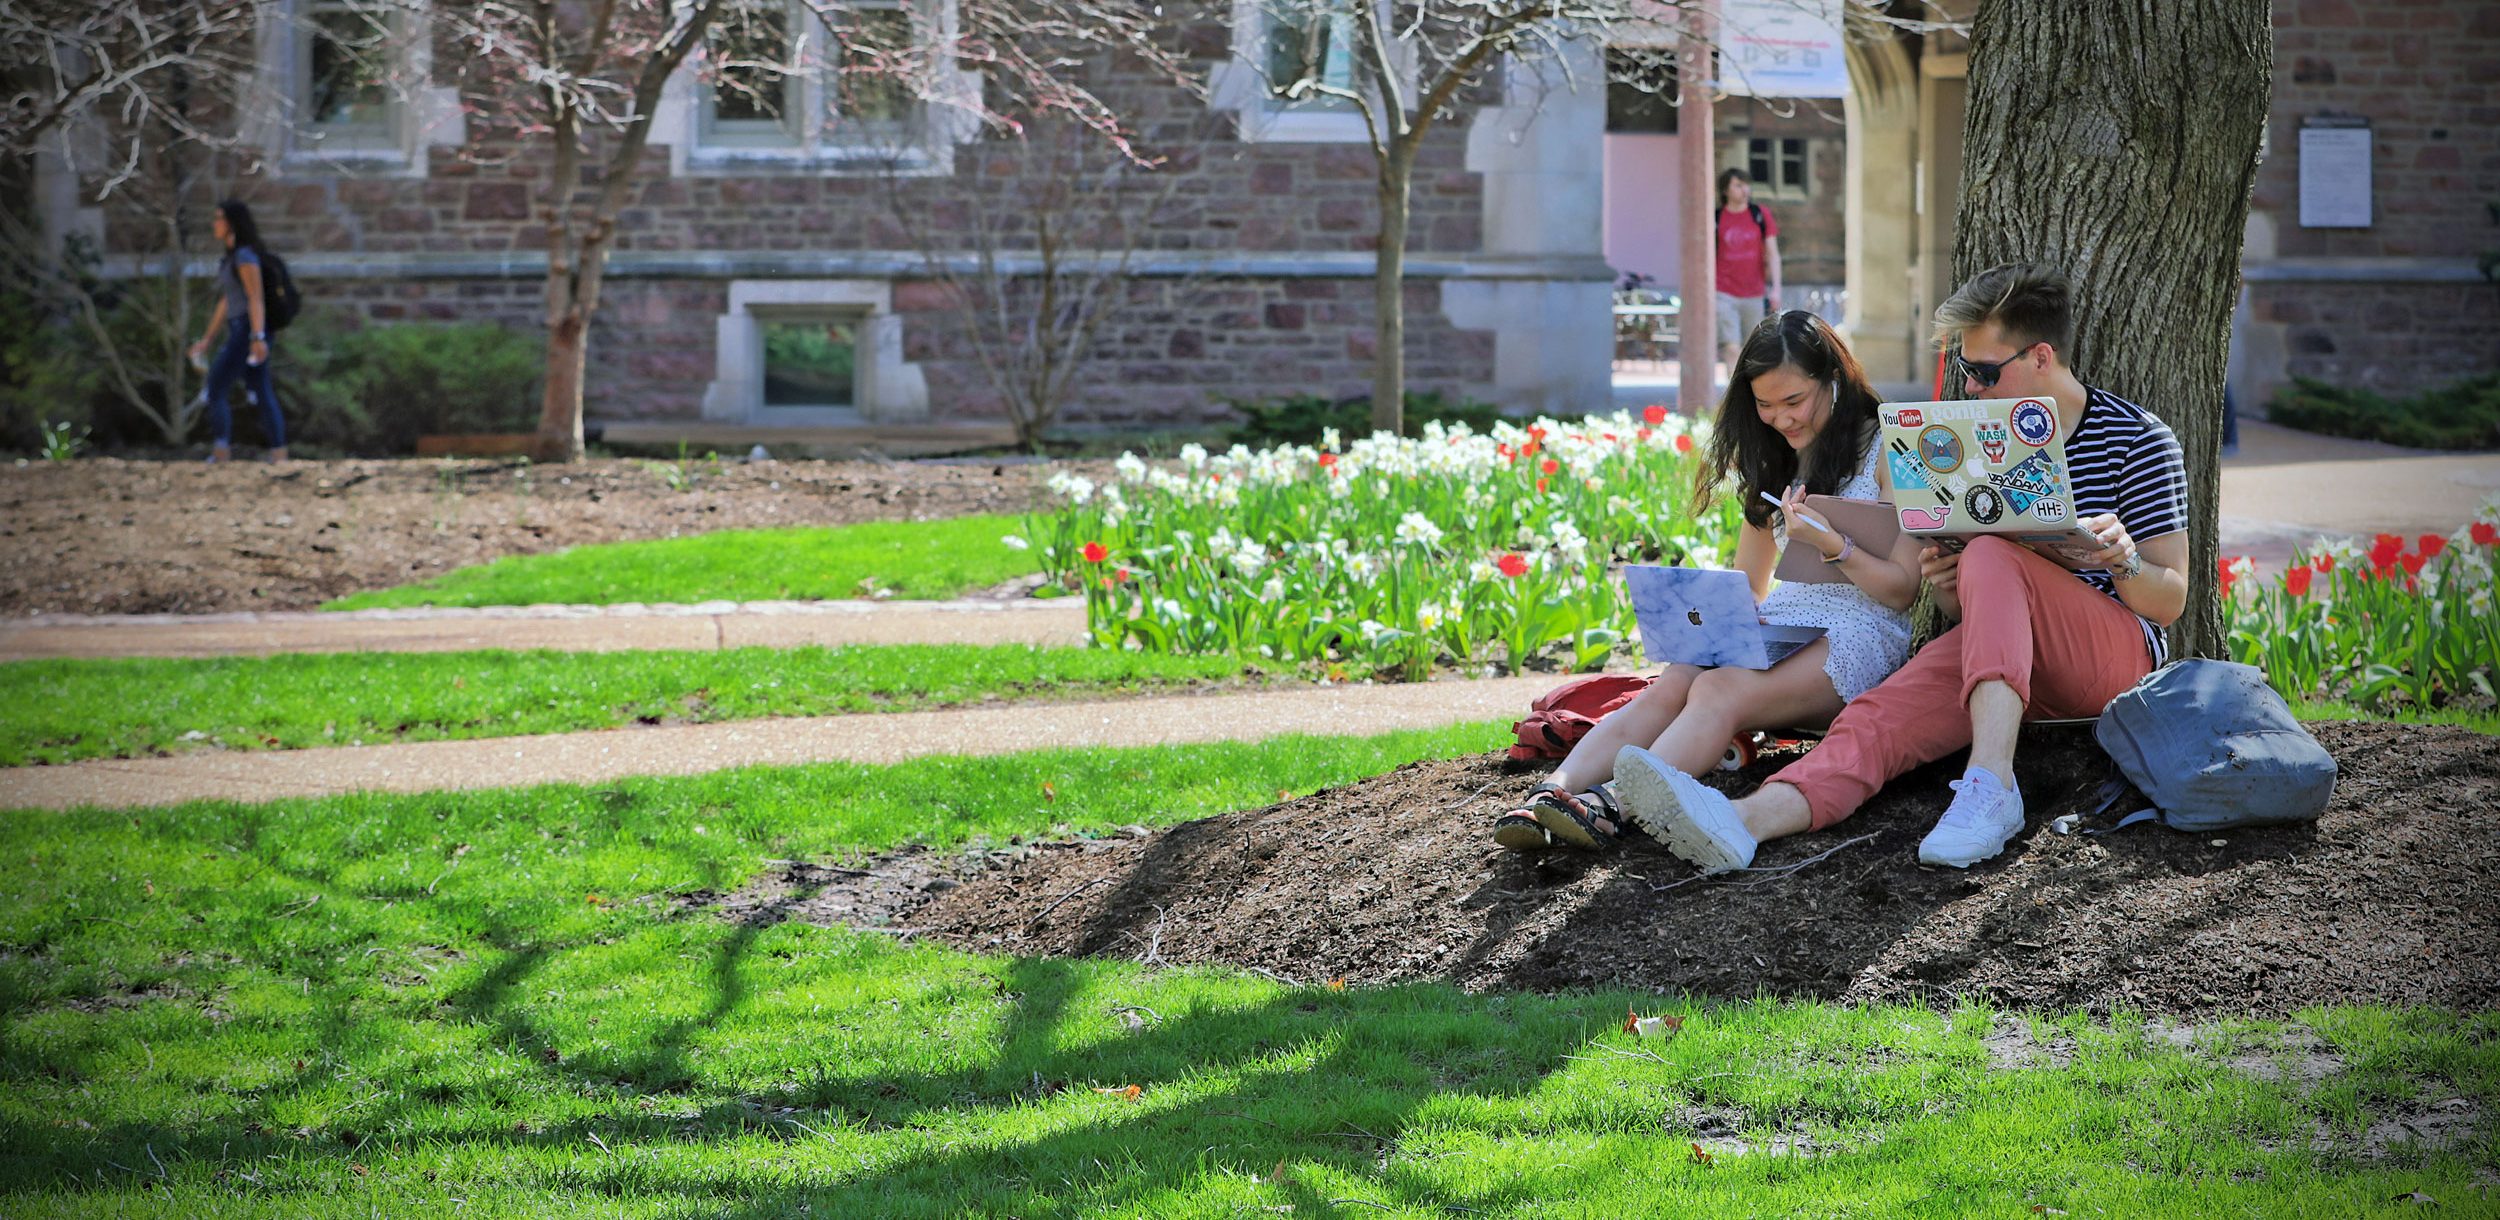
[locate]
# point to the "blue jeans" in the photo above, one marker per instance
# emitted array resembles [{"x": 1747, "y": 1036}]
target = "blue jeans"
[{"x": 234, "y": 359}]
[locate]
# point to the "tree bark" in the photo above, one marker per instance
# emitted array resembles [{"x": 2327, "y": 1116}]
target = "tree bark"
[
  {"x": 2117, "y": 139},
  {"x": 1389, "y": 291}
]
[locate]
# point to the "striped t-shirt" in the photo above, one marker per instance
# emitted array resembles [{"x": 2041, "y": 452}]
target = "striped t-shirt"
[{"x": 2123, "y": 460}]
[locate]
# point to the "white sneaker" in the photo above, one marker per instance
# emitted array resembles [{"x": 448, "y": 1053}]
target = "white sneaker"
[
  {"x": 1691, "y": 819},
  {"x": 1984, "y": 814}
]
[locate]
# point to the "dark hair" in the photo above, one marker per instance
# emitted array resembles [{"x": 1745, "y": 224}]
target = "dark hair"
[
  {"x": 1759, "y": 455},
  {"x": 239, "y": 221},
  {"x": 1728, "y": 175},
  {"x": 2028, "y": 301}
]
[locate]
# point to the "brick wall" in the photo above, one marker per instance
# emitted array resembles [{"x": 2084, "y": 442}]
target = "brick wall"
[
  {"x": 1174, "y": 351},
  {"x": 1177, "y": 347},
  {"x": 2422, "y": 73}
]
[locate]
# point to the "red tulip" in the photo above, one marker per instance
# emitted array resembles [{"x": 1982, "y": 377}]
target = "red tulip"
[
  {"x": 1684, "y": 443},
  {"x": 1540, "y": 487},
  {"x": 1548, "y": 466},
  {"x": 1096, "y": 552},
  {"x": 1328, "y": 459},
  {"x": 2383, "y": 553},
  {"x": 2431, "y": 545},
  {"x": 2412, "y": 564},
  {"x": 2323, "y": 563},
  {"x": 2486, "y": 534},
  {"x": 2296, "y": 580},
  {"x": 1653, "y": 414},
  {"x": 1513, "y": 564}
]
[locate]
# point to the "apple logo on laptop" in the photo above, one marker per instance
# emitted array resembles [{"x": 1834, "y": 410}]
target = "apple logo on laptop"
[{"x": 1693, "y": 616}]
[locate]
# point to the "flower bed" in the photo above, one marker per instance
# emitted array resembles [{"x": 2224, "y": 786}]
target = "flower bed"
[
  {"x": 1393, "y": 554},
  {"x": 2398, "y": 623}
]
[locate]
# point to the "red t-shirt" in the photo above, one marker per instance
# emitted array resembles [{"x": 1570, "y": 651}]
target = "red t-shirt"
[{"x": 1741, "y": 270}]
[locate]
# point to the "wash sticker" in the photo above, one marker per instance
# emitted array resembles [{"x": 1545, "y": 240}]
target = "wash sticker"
[{"x": 1991, "y": 436}]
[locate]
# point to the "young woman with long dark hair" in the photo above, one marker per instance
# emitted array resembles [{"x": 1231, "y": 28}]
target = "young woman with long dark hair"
[
  {"x": 245, "y": 351},
  {"x": 1798, "y": 419}
]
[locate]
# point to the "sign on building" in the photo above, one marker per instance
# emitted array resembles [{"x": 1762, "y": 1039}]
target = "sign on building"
[
  {"x": 1782, "y": 48},
  {"x": 2335, "y": 172}
]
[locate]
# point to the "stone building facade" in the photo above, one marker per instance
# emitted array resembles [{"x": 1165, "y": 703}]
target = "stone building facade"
[
  {"x": 1256, "y": 278},
  {"x": 2391, "y": 301}
]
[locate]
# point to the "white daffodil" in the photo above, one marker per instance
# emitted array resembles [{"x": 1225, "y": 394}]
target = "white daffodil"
[
  {"x": 1428, "y": 616},
  {"x": 1361, "y": 568},
  {"x": 1130, "y": 467},
  {"x": 1416, "y": 529},
  {"x": 1015, "y": 543},
  {"x": 1273, "y": 591},
  {"x": 1194, "y": 455}
]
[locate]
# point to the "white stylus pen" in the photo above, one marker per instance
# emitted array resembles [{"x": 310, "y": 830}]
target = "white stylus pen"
[{"x": 1802, "y": 515}]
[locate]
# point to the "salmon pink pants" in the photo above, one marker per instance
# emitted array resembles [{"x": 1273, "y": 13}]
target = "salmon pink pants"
[{"x": 2065, "y": 647}]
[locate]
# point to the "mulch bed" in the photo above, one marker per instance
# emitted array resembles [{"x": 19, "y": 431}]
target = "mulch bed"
[
  {"x": 2388, "y": 899},
  {"x": 108, "y": 536}
]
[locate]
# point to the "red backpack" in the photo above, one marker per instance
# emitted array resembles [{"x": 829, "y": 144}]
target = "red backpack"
[{"x": 1562, "y": 716}]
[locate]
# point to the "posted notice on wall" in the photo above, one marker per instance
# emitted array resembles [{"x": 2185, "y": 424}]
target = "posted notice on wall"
[
  {"x": 1782, "y": 48},
  {"x": 2335, "y": 174}
]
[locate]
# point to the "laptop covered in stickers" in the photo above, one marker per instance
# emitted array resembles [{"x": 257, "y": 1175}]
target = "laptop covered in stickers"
[{"x": 1985, "y": 466}]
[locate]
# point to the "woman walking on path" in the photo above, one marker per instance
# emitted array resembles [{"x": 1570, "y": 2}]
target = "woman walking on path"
[
  {"x": 1798, "y": 419},
  {"x": 245, "y": 351}
]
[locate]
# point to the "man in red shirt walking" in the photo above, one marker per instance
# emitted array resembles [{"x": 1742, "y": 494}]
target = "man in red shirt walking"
[{"x": 1748, "y": 262}]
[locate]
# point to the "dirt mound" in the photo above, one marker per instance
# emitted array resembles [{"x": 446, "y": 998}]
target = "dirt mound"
[
  {"x": 2390, "y": 898},
  {"x": 108, "y": 536}
]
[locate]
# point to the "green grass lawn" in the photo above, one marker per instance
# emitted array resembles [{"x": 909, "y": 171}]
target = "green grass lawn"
[
  {"x": 908, "y": 559},
  {"x": 489, "y": 1004},
  {"x": 68, "y": 710}
]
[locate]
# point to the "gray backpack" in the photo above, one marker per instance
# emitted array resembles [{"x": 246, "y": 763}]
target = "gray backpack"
[{"x": 2211, "y": 747}]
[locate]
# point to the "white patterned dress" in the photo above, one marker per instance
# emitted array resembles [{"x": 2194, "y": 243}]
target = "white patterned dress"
[{"x": 1869, "y": 640}]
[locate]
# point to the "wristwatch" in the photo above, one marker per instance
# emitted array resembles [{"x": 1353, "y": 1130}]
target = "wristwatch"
[{"x": 2131, "y": 569}]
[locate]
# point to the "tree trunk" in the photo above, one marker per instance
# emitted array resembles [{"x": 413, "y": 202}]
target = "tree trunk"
[
  {"x": 1389, "y": 292},
  {"x": 2118, "y": 140},
  {"x": 560, "y": 411},
  {"x": 572, "y": 297}
]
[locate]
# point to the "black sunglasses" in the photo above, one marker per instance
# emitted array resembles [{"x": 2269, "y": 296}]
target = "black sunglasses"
[{"x": 1986, "y": 372}]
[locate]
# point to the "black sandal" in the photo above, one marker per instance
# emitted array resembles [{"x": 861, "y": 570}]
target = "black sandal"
[
  {"x": 1590, "y": 821},
  {"x": 1519, "y": 829}
]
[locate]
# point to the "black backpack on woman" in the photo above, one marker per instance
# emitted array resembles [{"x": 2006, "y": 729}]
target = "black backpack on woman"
[{"x": 280, "y": 300}]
